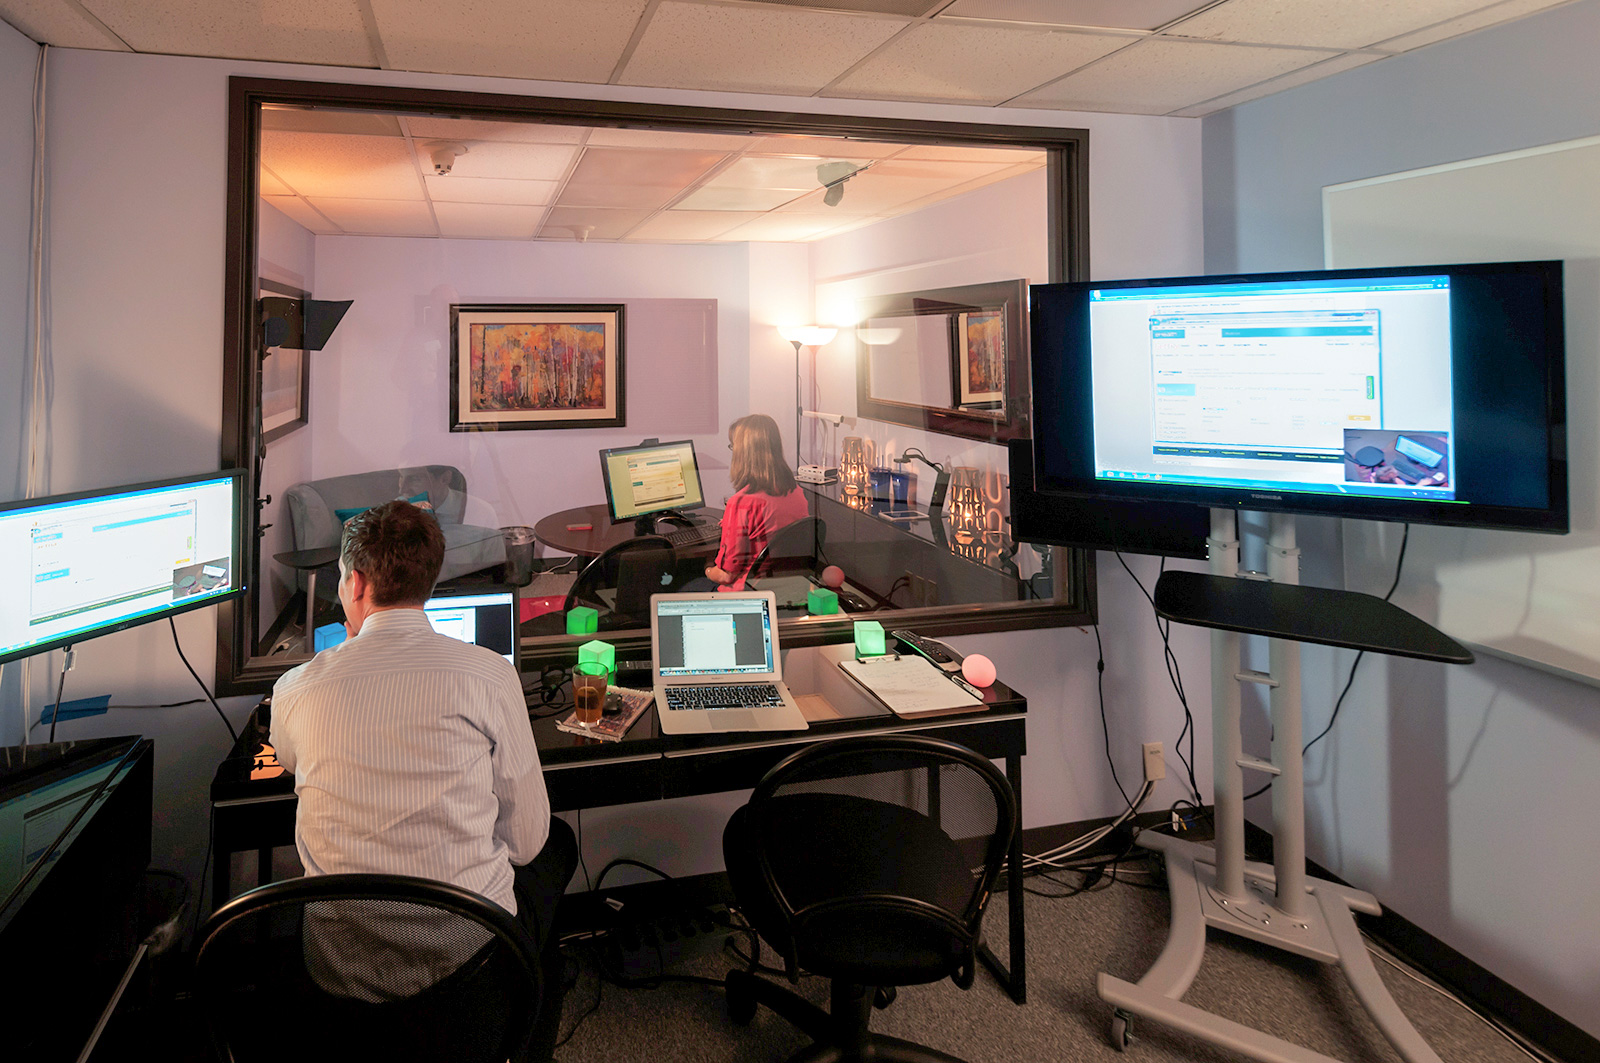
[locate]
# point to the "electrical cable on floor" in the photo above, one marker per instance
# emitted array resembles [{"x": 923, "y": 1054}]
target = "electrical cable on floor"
[
  {"x": 1052, "y": 857},
  {"x": 1174, "y": 676},
  {"x": 1399, "y": 564},
  {"x": 220, "y": 714}
]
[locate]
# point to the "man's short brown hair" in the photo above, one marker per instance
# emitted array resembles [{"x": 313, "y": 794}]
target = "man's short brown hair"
[{"x": 399, "y": 548}]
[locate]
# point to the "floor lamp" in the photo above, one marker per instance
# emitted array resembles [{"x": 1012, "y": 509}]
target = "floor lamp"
[{"x": 812, "y": 336}]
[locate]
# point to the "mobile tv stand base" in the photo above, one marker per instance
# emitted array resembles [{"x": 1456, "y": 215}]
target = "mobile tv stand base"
[{"x": 1325, "y": 930}]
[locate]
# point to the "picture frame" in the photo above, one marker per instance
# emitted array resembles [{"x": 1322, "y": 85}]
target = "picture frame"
[
  {"x": 518, "y": 366},
  {"x": 981, "y": 359},
  {"x": 285, "y": 379}
]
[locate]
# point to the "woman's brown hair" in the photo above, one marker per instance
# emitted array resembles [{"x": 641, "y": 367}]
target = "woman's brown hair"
[{"x": 758, "y": 456}]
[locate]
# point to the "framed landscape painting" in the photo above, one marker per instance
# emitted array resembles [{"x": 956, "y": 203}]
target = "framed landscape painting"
[{"x": 519, "y": 366}]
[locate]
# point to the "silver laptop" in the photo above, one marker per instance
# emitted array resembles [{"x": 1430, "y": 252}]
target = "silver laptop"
[{"x": 716, "y": 664}]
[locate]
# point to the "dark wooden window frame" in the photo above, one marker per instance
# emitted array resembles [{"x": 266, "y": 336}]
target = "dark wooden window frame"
[{"x": 1066, "y": 150}]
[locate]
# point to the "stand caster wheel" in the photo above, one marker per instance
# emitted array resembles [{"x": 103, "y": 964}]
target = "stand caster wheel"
[
  {"x": 1121, "y": 1030},
  {"x": 884, "y": 996}
]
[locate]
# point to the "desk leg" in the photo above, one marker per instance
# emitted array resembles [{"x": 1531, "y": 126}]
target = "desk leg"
[{"x": 1015, "y": 980}]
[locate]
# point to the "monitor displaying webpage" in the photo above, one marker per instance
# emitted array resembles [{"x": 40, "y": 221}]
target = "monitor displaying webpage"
[
  {"x": 647, "y": 479},
  {"x": 1314, "y": 385},
  {"x": 85, "y": 564},
  {"x": 713, "y": 637}
]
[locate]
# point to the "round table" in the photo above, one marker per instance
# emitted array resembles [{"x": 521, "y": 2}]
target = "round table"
[{"x": 601, "y": 535}]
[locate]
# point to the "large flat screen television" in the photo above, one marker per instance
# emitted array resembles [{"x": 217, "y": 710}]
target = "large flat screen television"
[
  {"x": 1429, "y": 394},
  {"x": 73, "y": 567}
]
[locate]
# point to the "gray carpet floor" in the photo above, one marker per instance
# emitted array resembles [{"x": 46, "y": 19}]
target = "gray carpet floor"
[{"x": 1119, "y": 929}]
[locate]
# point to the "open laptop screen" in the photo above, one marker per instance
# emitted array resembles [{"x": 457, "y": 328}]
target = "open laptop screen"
[
  {"x": 484, "y": 616},
  {"x": 713, "y": 637}
]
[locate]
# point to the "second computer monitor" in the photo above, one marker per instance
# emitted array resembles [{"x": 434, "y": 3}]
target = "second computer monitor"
[{"x": 650, "y": 479}]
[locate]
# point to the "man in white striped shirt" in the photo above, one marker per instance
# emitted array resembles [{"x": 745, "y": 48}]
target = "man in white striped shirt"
[{"x": 411, "y": 750}]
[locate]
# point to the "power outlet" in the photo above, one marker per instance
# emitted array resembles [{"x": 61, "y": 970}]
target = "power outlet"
[{"x": 1155, "y": 766}]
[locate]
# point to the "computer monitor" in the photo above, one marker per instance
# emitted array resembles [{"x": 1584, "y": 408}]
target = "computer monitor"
[
  {"x": 76, "y": 566},
  {"x": 645, "y": 481},
  {"x": 483, "y": 614}
]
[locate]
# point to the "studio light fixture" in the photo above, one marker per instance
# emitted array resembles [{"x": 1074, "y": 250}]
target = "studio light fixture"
[{"x": 812, "y": 336}]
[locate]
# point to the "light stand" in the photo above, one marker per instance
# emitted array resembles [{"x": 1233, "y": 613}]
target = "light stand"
[
  {"x": 1214, "y": 886},
  {"x": 812, "y": 336}
]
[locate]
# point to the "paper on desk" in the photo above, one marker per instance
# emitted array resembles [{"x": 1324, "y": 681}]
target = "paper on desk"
[{"x": 908, "y": 684}]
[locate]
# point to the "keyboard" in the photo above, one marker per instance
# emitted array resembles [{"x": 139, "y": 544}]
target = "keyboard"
[
  {"x": 730, "y": 696},
  {"x": 700, "y": 533}
]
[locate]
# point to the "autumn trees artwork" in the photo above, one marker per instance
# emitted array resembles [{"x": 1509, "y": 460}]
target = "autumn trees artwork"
[{"x": 536, "y": 367}]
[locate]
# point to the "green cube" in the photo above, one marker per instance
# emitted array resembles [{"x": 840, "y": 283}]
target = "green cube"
[
  {"x": 595, "y": 650},
  {"x": 581, "y": 620},
  {"x": 869, "y": 639},
  {"x": 822, "y": 602}
]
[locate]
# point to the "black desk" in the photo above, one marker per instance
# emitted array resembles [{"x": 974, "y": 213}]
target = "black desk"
[{"x": 648, "y": 766}]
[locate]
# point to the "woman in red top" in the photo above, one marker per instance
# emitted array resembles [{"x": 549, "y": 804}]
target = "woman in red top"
[{"x": 767, "y": 498}]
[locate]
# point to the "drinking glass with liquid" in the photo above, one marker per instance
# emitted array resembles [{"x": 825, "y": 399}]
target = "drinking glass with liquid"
[{"x": 590, "y": 680}]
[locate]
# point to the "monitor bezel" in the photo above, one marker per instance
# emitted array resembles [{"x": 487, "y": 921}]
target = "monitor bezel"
[
  {"x": 240, "y": 557},
  {"x": 665, "y": 444},
  {"x": 1074, "y": 378}
]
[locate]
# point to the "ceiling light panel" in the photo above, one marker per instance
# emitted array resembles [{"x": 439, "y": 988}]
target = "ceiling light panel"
[
  {"x": 964, "y": 62},
  {"x": 550, "y": 40},
  {"x": 627, "y": 197},
  {"x": 1490, "y": 16},
  {"x": 656, "y": 167},
  {"x": 751, "y": 49},
  {"x": 369, "y": 217},
  {"x": 506, "y": 160},
  {"x": 1325, "y": 24},
  {"x": 722, "y": 198},
  {"x": 458, "y": 189},
  {"x": 481, "y": 221},
  {"x": 302, "y": 213},
  {"x": 319, "y": 120},
  {"x": 1111, "y": 14},
  {"x": 330, "y": 32},
  {"x": 1326, "y": 68},
  {"x": 1159, "y": 75},
  {"x": 691, "y": 226},
  {"x": 432, "y": 127},
  {"x": 59, "y": 25},
  {"x": 607, "y": 224},
  {"x": 350, "y": 167}
]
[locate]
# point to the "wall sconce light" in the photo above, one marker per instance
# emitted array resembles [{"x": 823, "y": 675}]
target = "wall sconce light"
[{"x": 812, "y": 336}]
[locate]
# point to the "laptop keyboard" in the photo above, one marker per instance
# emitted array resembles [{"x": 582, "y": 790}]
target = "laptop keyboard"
[
  {"x": 730, "y": 696},
  {"x": 701, "y": 533}
]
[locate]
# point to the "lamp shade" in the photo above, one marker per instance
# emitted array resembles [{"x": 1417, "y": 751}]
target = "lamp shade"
[{"x": 807, "y": 335}]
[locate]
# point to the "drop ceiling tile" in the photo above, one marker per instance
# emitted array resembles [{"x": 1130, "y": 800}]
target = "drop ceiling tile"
[
  {"x": 722, "y": 198},
  {"x": 688, "y": 226},
  {"x": 883, "y": 7},
  {"x": 321, "y": 120},
  {"x": 376, "y": 217},
  {"x": 788, "y": 228},
  {"x": 1326, "y": 68},
  {"x": 503, "y": 159},
  {"x": 771, "y": 172},
  {"x": 1159, "y": 75},
  {"x": 958, "y": 153},
  {"x": 870, "y": 193},
  {"x": 329, "y": 164},
  {"x": 1489, "y": 16},
  {"x": 487, "y": 221},
  {"x": 271, "y": 185},
  {"x": 59, "y": 25},
  {"x": 608, "y": 224},
  {"x": 659, "y": 167},
  {"x": 303, "y": 214},
  {"x": 751, "y": 49},
  {"x": 433, "y": 127},
  {"x": 330, "y": 32},
  {"x": 669, "y": 138},
  {"x": 550, "y": 40},
  {"x": 1325, "y": 24},
  {"x": 458, "y": 189},
  {"x": 1111, "y": 14},
  {"x": 970, "y": 63},
  {"x": 624, "y": 197},
  {"x": 933, "y": 172},
  {"x": 829, "y": 147}
]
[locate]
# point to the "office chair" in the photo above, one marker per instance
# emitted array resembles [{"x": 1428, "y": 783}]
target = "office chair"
[
  {"x": 794, "y": 547},
  {"x": 368, "y": 966},
  {"x": 868, "y": 861},
  {"x": 636, "y": 568}
]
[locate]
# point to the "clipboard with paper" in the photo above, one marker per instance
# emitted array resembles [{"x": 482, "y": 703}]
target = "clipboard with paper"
[{"x": 909, "y": 685}]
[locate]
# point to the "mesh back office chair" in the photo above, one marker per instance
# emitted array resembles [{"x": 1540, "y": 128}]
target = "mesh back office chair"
[
  {"x": 868, "y": 861},
  {"x": 342, "y": 967},
  {"x": 793, "y": 549},
  {"x": 634, "y": 568}
]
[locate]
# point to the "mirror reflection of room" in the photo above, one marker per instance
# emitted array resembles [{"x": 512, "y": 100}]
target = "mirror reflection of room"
[{"x": 560, "y": 294}]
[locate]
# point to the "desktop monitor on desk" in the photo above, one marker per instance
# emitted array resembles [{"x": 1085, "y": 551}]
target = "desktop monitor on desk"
[{"x": 649, "y": 481}]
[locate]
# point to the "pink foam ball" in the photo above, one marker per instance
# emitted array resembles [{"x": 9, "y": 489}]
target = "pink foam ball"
[
  {"x": 979, "y": 670},
  {"x": 833, "y": 577}
]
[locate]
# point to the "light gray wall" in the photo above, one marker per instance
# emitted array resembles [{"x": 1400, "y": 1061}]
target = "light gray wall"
[{"x": 1435, "y": 790}]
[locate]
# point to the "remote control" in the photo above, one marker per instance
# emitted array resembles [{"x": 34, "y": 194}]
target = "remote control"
[{"x": 937, "y": 652}]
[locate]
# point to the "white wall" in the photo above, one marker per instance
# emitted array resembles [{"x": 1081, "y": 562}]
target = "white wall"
[
  {"x": 138, "y": 186},
  {"x": 1451, "y": 793}
]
